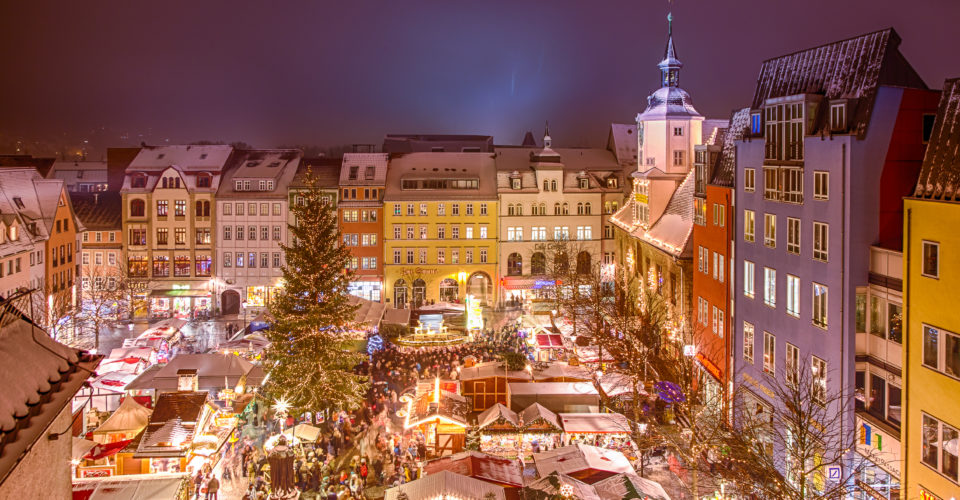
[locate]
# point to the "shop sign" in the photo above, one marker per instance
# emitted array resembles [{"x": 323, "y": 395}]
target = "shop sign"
[
  {"x": 926, "y": 495},
  {"x": 834, "y": 473},
  {"x": 538, "y": 284},
  {"x": 709, "y": 365},
  {"x": 641, "y": 198},
  {"x": 177, "y": 286},
  {"x": 864, "y": 487},
  {"x": 689, "y": 350},
  {"x": 101, "y": 471}
]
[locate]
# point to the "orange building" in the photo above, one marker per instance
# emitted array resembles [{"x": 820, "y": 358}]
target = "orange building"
[
  {"x": 362, "y": 180},
  {"x": 715, "y": 164}
]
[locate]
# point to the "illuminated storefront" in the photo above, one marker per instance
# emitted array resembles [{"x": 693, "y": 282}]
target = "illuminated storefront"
[
  {"x": 369, "y": 290},
  {"x": 181, "y": 302}
]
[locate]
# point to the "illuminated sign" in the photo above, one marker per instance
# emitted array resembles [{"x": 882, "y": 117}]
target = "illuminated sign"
[
  {"x": 709, "y": 365},
  {"x": 926, "y": 495},
  {"x": 538, "y": 284},
  {"x": 180, "y": 287},
  {"x": 641, "y": 198}
]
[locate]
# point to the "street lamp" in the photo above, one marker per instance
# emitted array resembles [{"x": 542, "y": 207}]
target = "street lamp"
[{"x": 244, "y": 306}]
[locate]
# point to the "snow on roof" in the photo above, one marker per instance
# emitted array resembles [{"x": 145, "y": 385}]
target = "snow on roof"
[
  {"x": 362, "y": 161},
  {"x": 435, "y": 166},
  {"x": 368, "y": 313},
  {"x": 130, "y": 487},
  {"x": 212, "y": 369},
  {"x": 847, "y": 69},
  {"x": 39, "y": 377},
  {"x": 489, "y": 369},
  {"x": 630, "y": 486},
  {"x": 279, "y": 165},
  {"x": 495, "y": 413},
  {"x": 581, "y": 458},
  {"x": 130, "y": 416},
  {"x": 669, "y": 102},
  {"x": 187, "y": 157},
  {"x": 623, "y": 143},
  {"x": 552, "y": 388},
  {"x": 940, "y": 173},
  {"x": 537, "y": 411},
  {"x": 548, "y": 487},
  {"x": 563, "y": 370},
  {"x": 610, "y": 423},
  {"x": 447, "y": 484},
  {"x": 482, "y": 466},
  {"x": 671, "y": 232},
  {"x": 509, "y": 158},
  {"x": 723, "y": 172}
]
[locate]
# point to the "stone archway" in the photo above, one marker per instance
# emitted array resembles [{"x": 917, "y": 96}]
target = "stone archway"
[
  {"x": 480, "y": 286},
  {"x": 230, "y": 302}
]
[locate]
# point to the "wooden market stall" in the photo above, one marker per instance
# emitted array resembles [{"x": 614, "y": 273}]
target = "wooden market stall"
[
  {"x": 442, "y": 418},
  {"x": 585, "y": 463},
  {"x": 486, "y": 383},
  {"x": 499, "y": 431},
  {"x": 539, "y": 430}
]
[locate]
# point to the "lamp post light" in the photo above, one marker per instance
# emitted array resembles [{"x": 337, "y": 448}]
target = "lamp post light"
[{"x": 243, "y": 305}]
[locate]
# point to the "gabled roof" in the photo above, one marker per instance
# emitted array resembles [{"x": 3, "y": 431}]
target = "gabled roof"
[
  {"x": 847, "y": 69},
  {"x": 128, "y": 417},
  {"x": 451, "y": 407},
  {"x": 537, "y": 411},
  {"x": 446, "y": 484},
  {"x": 186, "y": 406},
  {"x": 940, "y": 172},
  {"x": 623, "y": 142},
  {"x": 40, "y": 377},
  {"x": 723, "y": 172},
  {"x": 630, "y": 487},
  {"x": 482, "y": 466},
  {"x": 361, "y": 161},
  {"x": 186, "y": 157},
  {"x": 588, "y": 463},
  {"x": 279, "y": 165},
  {"x": 325, "y": 170},
  {"x": 671, "y": 232},
  {"x": 213, "y": 369},
  {"x": 548, "y": 488},
  {"x": 498, "y": 413}
]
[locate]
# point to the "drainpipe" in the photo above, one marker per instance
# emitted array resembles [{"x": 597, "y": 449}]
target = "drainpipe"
[
  {"x": 906, "y": 353},
  {"x": 843, "y": 279}
]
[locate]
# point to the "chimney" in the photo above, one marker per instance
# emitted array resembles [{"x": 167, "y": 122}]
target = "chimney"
[{"x": 187, "y": 380}]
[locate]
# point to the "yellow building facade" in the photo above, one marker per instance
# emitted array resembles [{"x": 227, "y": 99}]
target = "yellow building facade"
[
  {"x": 931, "y": 427},
  {"x": 440, "y": 229}
]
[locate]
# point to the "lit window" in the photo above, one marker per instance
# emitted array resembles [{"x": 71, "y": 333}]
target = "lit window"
[
  {"x": 749, "y": 180},
  {"x": 931, "y": 259},
  {"x": 820, "y": 241},
  {"x": 793, "y": 235},
  {"x": 793, "y": 295},
  {"x": 749, "y": 226},
  {"x": 770, "y": 287},
  {"x": 748, "y": 278},
  {"x": 769, "y": 352},
  {"x": 820, "y": 305},
  {"x": 821, "y": 185},
  {"x": 770, "y": 230},
  {"x": 748, "y": 342}
]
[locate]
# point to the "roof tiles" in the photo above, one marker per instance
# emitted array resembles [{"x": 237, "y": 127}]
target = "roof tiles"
[{"x": 940, "y": 172}]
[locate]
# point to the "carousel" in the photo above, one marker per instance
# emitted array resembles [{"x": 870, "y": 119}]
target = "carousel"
[{"x": 431, "y": 331}]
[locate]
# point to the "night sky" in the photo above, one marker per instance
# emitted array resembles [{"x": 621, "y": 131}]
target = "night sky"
[{"x": 350, "y": 71}]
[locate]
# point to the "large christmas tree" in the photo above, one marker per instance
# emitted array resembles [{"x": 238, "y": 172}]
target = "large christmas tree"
[{"x": 308, "y": 361}]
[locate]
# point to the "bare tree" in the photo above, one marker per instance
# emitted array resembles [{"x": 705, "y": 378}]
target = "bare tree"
[
  {"x": 103, "y": 300},
  {"x": 789, "y": 438}
]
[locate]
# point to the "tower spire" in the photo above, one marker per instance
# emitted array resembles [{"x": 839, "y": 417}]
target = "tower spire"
[
  {"x": 670, "y": 65},
  {"x": 547, "y": 141}
]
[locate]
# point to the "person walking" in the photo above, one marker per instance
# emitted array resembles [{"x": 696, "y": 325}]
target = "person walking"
[{"x": 212, "y": 486}]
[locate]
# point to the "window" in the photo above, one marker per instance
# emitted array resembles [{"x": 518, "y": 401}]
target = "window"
[
  {"x": 793, "y": 296},
  {"x": 838, "y": 116},
  {"x": 264, "y": 233},
  {"x": 748, "y": 226},
  {"x": 720, "y": 320},
  {"x": 137, "y": 266},
  {"x": 699, "y": 211},
  {"x": 938, "y": 448},
  {"x": 455, "y": 256},
  {"x": 161, "y": 266},
  {"x": 163, "y": 236},
  {"x": 180, "y": 208},
  {"x": 441, "y": 255},
  {"x": 770, "y": 287},
  {"x": 756, "y": 124},
  {"x": 409, "y": 256},
  {"x": 252, "y": 233},
  {"x": 941, "y": 351},
  {"x": 276, "y": 209},
  {"x": 276, "y": 233},
  {"x": 441, "y": 209},
  {"x": 483, "y": 255},
  {"x": 721, "y": 215},
  {"x": 719, "y": 265},
  {"x": 749, "y": 180},
  {"x": 793, "y": 235},
  {"x": 252, "y": 260},
  {"x": 138, "y": 236},
  {"x": 423, "y": 209},
  {"x": 608, "y": 232},
  {"x": 821, "y": 185},
  {"x": 483, "y": 232},
  {"x": 410, "y": 232},
  {"x": 515, "y": 183},
  {"x": 553, "y": 185},
  {"x": 396, "y": 209},
  {"x": 770, "y": 230},
  {"x": 227, "y": 259},
  {"x": 678, "y": 158},
  {"x": 85, "y": 258},
  {"x": 240, "y": 208},
  {"x": 931, "y": 259},
  {"x": 264, "y": 260},
  {"x": 584, "y": 183},
  {"x": 820, "y": 305},
  {"x": 137, "y": 208},
  {"x": 791, "y": 367},
  {"x": 396, "y": 255},
  {"x": 895, "y": 322},
  {"x": 769, "y": 351},
  {"x": 678, "y": 131},
  {"x": 180, "y": 236},
  {"x": 584, "y": 232},
  {"x": 455, "y": 209},
  {"x": 784, "y": 131},
  {"x": 483, "y": 209},
  {"x": 455, "y": 232},
  {"x": 203, "y": 236},
  {"x": 748, "y": 278},
  {"x": 239, "y": 233},
  {"x": 747, "y": 342},
  {"x": 162, "y": 206},
  {"x": 469, "y": 232},
  {"x": 469, "y": 208},
  {"x": 820, "y": 230},
  {"x": 818, "y": 389}
]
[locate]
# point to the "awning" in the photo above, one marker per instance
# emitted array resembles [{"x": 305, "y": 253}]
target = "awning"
[
  {"x": 515, "y": 283},
  {"x": 180, "y": 293},
  {"x": 113, "y": 381},
  {"x": 105, "y": 450},
  {"x": 130, "y": 487}
]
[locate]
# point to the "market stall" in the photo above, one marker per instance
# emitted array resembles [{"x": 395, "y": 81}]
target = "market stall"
[
  {"x": 585, "y": 463},
  {"x": 606, "y": 430},
  {"x": 499, "y": 431},
  {"x": 446, "y": 484},
  {"x": 557, "y": 396},
  {"x": 556, "y": 485},
  {"x": 539, "y": 430},
  {"x": 123, "y": 424},
  {"x": 133, "y": 487},
  {"x": 630, "y": 486},
  {"x": 441, "y": 416}
]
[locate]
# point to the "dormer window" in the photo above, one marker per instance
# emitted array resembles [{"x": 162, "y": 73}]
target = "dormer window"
[
  {"x": 238, "y": 185},
  {"x": 612, "y": 182},
  {"x": 13, "y": 233},
  {"x": 584, "y": 183},
  {"x": 756, "y": 123},
  {"x": 515, "y": 183},
  {"x": 204, "y": 180},
  {"x": 838, "y": 117},
  {"x": 353, "y": 173},
  {"x": 785, "y": 128},
  {"x": 370, "y": 172},
  {"x": 138, "y": 180}
]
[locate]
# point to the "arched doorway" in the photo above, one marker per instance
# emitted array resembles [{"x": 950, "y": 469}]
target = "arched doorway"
[
  {"x": 480, "y": 286},
  {"x": 583, "y": 262},
  {"x": 514, "y": 264},
  {"x": 230, "y": 302},
  {"x": 538, "y": 264},
  {"x": 449, "y": 290},
  {"x": 400, "y": 294},
  {"x": 419, "y": 292}
]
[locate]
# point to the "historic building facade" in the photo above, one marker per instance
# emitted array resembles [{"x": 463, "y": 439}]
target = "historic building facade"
[
  {"x": 440, "y": 228},
  {"x": 931, "y": 272},
  {"x": 251, "y": 224},
  {"x": 550, "y": 195},
  {"x": 362, "y": 180},
  {"x": 823, "y": 170},
  {"x": 168, "y": 216}
]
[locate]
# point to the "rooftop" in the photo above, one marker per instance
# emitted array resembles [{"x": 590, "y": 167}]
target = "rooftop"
[
  {"x": 442, "y": 170},
  {"x": 101, "y": 210},
  {"x": 940, "y": 172}
]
